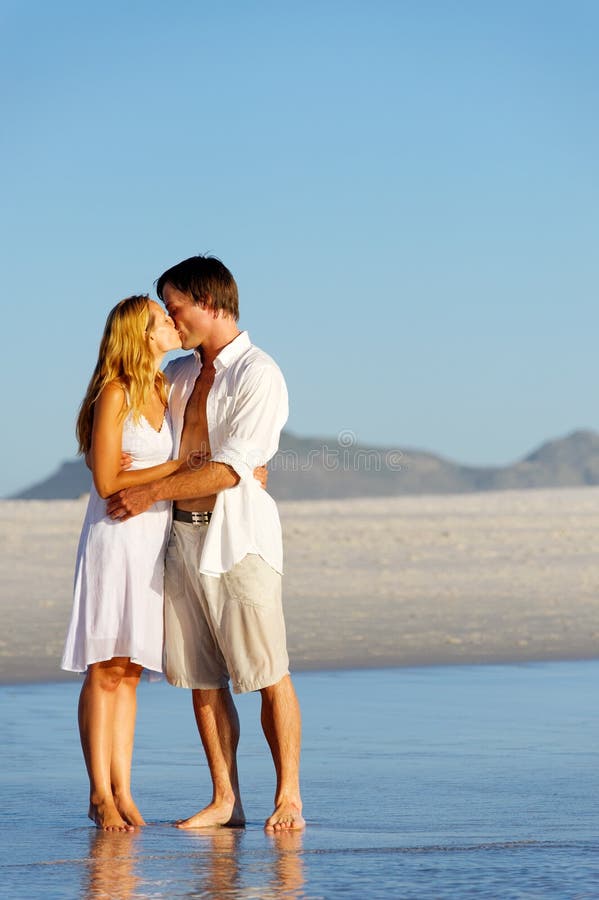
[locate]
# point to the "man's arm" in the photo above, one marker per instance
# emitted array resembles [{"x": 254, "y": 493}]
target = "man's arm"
[
  {"x": 183, "y": 484},
  {"x": 259, "y": 413}
]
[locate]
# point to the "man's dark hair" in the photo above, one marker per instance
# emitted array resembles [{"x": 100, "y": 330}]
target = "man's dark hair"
[{"x": 206, "y": 280}]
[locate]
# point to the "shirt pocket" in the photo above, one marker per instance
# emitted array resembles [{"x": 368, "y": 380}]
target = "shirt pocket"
[{"x": 225, "y": 409}]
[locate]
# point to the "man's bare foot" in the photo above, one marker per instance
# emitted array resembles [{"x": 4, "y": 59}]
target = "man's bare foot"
[
  {"x": 286, "y": 817},
  {"x": 216, "y": 813},
  {"x": 106, "y": 816},
  {"x": 128, "y": 810}
]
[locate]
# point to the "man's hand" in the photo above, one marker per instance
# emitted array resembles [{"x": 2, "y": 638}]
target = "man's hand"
[{"x": 129, "y": 502}]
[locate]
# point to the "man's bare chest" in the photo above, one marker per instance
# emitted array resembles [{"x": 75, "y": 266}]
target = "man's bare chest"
[{"x": 195, "y": 410}]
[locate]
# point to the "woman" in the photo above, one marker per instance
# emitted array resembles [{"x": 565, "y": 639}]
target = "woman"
[{"x": 116, "y": 625}]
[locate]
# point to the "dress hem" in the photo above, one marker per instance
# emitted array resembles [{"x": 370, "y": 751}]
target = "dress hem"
[{"x": 91, "y": 662}]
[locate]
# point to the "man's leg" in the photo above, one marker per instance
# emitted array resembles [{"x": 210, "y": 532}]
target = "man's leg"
[
  {"x": 218, "y": 724},
  {"x": 193, "y": 657},
  {"x": 281, "y": 722},
  {"x": 253, "y": 640}
]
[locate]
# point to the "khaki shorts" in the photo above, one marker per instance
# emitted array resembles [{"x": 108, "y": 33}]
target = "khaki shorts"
[{"x": 222, "y": 627}]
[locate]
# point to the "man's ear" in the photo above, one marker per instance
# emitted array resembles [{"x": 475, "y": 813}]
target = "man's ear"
[{"x": 208, "y": 304}]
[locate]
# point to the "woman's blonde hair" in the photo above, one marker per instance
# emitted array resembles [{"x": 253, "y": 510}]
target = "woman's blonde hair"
[{"x": 124, "y": 357}]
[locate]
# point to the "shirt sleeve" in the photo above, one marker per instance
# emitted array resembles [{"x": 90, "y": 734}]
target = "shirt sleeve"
[{"x": 258, "y": 413}]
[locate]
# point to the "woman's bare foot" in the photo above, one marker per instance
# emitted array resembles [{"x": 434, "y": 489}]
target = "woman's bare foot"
[
  {"x": 286, "y": 817},
  {"x": 105, "y": 815},
  {"x": 128, "y": 810},
  {"x": 223, "y": 812}
]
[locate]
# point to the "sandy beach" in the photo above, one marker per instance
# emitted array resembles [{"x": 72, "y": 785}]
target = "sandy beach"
[{"x": 487, "y": 577}]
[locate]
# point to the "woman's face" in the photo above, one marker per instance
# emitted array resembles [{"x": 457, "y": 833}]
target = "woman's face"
[{"x": 162, "y": 334}]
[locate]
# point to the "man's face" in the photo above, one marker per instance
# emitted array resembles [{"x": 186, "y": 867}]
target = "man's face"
[{"x": 193, "y": 322}]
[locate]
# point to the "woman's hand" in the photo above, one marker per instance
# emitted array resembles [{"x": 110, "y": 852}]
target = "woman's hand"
[{"x": 261, "y": 475}]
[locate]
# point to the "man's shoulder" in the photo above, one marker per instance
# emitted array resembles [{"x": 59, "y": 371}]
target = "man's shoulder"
[
  {"x": 255, "y": 360},
  {"x": 255, "y": 370}
]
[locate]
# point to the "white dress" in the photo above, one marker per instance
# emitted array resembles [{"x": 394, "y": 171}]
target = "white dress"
[{"x": 118, "y": 597}]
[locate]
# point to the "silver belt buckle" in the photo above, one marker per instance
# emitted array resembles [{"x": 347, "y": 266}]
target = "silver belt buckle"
[{"x": 199, "y": 518}]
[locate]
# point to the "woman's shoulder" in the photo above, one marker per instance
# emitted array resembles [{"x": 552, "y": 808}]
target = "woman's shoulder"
[
  {"x": 114, "y": 395},
  {"x": 116, "y": 387}
]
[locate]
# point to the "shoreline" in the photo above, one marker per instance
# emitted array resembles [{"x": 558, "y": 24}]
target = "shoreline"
[{"x": 359, "y": 666}]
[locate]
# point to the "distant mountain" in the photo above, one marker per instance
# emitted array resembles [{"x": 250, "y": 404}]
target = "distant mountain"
[
  {"x": 71, "y": 480},
  {"x": 313, "y": 468}
]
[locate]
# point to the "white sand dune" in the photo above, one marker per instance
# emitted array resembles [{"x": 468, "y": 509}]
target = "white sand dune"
[{"x": 483, "y": 577}]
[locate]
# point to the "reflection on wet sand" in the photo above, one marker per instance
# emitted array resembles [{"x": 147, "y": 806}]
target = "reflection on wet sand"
[
  {"x": 288, "y": 867},
  {"x": 111, "y": 867},
  {"x": 217, "y": 869},
  {"x": 218, "y": 873},
  {"x": 214, "y": 863}
]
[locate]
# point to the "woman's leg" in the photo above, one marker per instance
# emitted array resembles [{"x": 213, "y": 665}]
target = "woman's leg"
[
  {"x": 123, "y": 736},
  {"x": 96, "y": 718}
]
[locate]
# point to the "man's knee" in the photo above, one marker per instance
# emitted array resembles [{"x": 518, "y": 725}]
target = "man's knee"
[
  {"x": 272, "y": 690},
  {"x": 207, "y": 695}
]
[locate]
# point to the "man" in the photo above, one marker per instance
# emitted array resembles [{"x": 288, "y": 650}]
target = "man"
[{"x": 223, "y": 612}]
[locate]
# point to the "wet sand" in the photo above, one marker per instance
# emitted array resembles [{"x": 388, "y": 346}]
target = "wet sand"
[
  {"x": 487, "y": 577},
  {"x": 467, "y": 781}
]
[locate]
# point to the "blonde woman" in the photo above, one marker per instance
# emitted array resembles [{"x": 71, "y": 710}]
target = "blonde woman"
[{"x": 116, "y": 625}]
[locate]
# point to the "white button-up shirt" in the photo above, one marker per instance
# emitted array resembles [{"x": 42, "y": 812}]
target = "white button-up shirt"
[{"x": 246, "y": 409}]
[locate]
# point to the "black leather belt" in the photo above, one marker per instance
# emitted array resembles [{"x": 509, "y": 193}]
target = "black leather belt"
[{"x": 192, "y": 518}]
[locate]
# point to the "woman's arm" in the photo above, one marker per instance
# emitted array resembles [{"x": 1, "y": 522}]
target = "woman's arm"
[{"x": 107, "y": 436}]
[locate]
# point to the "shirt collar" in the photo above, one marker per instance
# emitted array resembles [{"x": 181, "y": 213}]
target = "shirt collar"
[{"x": 230, "y": 353}]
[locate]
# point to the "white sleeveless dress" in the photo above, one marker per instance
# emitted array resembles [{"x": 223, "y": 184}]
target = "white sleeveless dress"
[{"x": 118, "y": 597}]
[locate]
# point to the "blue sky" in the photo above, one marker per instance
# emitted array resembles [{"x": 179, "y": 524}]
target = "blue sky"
[{"x": 406, "y": 192}]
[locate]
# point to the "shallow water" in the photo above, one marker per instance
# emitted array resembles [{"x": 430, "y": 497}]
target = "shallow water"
[{"x": 467, "y": 781}]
